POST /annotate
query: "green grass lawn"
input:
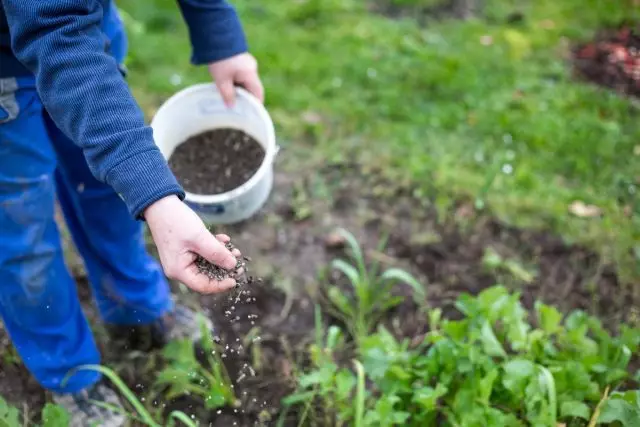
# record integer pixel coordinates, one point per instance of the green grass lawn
(480, 110)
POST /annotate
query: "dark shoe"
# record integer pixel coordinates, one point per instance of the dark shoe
(181, 323)
(84, 411)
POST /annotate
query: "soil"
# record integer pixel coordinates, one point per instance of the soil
(216, 161)
(265, 327)
(612, 60)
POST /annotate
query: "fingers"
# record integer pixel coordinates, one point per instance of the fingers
(226, 239)
(223, 238)
(202, 283)
(253, 84)
(214, 251)
(227, 91)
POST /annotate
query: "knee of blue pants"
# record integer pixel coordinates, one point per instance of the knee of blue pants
(31, 291)
(38, 300)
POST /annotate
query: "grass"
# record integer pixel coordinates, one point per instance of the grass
(480, 110)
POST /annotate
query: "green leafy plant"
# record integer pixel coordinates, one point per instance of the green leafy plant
(494, 367)
(507, 268)
(370, 288)
(9, 416)
(329, 383)
(52, 415)
(186, 375)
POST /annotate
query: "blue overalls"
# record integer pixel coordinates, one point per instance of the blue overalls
(38, 298)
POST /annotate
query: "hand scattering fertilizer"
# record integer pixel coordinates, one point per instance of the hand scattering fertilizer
(223, 157)
(214, 272)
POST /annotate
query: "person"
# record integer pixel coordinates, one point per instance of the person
(71, 131)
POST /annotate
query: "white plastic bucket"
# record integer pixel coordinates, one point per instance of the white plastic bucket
(200, 108)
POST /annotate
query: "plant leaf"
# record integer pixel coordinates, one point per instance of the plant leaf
(517, 374)
(619, 410)
(490, 342)
(124, 390)
(575, 409)
(182, 417)
(548, 317)
(54, 416)
(9, 416)
(354, 246)
(348, 270)
(396, 274)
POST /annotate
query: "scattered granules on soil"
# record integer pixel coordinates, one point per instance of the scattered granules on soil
(214, 272)
(216, 161)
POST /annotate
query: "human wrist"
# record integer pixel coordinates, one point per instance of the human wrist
(161, 205)
(143, 179)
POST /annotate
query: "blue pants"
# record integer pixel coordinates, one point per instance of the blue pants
(38, 299)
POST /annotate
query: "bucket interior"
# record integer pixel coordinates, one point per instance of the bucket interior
(201, 110)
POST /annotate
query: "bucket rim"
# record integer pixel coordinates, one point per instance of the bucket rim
(271, 148)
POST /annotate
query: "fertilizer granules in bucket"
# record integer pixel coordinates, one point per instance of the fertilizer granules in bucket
(216, 161)
(213, 272)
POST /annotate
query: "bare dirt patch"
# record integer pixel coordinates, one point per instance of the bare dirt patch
(612, 60)
(265, 327)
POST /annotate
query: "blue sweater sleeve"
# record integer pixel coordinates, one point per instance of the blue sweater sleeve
(214, 29)
(80, 85)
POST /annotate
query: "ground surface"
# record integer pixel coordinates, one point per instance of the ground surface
(495, 161)
(292, 241)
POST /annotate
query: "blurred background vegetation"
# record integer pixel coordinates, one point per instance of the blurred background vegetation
(484, 108)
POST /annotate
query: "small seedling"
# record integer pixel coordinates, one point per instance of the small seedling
(371, 290)
(186, 375)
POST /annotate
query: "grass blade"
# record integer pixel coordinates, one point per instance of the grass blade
(360, 395)
(356, 251)
(118, 410)
(182, 417)
(142, 412)
(348, 270)
(419, 291)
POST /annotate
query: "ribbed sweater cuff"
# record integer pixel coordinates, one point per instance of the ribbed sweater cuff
(142, 180)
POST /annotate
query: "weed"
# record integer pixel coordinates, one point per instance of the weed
(371, 289)
(329, 383)
(506, 268)
(52, 416)
(186, 375)
(9, 416)
(491, 368)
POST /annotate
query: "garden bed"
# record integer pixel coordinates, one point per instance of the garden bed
(612, 60)
(266, 330)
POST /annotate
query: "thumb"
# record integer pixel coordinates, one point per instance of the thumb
(227, 91)
(214, 251)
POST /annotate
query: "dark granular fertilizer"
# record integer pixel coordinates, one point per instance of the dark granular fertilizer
(239, 273)
(216, 161)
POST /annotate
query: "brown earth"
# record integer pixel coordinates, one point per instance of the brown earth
(612, 59)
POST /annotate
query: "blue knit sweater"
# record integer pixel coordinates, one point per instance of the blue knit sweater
(63, 44)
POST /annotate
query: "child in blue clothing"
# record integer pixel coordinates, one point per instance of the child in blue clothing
(69, 127)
